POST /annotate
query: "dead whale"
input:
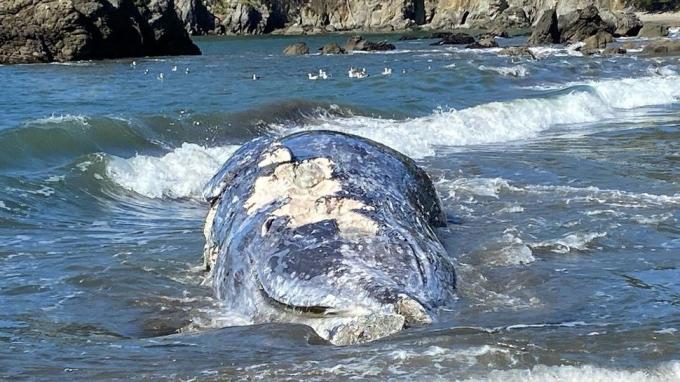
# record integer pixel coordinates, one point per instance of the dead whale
(329, 230)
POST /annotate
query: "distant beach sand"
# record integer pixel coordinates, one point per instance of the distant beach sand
(667, 18)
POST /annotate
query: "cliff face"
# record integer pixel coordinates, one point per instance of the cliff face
(66, 30)
(298, 16)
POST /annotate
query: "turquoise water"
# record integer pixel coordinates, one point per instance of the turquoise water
(560, 177)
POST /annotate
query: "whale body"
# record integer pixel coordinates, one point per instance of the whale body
(329, 230)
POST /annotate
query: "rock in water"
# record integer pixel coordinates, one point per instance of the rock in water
(546, 30)
(581, 24)
(329, 230)
(653, 30)
(358, 43)
(453, 39)
(598, 41)
(484, 42)
(297, 49)
(663, 48)
(332, 48)
(517, 51)
(67, 30)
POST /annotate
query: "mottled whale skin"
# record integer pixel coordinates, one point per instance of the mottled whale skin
(329, 230)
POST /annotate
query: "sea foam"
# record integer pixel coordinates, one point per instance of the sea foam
(498, 122)
(181, 173)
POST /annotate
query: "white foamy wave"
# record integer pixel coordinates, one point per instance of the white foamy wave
(665, 372)
(572, 242)
(512, 71)
(54, 119)
(494, 187)
(507, 121)
(181, 173)
(666, 70)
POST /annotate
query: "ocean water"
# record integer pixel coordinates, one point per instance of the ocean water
(560, 178)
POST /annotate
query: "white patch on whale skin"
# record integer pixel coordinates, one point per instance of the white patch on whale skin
(276, 156)
(210, 250)
(309, 189)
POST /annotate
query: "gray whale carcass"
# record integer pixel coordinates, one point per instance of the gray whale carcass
(329, 230)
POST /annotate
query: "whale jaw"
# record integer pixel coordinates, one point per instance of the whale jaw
(350, 329)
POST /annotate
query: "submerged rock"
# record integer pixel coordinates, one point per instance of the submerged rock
(453, 39)
(484, 43)
(55, 30)
(546, 30)
(297, 49)
(613, 51)
(662, 48)
(517, 51)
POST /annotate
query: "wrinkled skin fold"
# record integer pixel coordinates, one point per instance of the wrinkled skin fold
(328, 230)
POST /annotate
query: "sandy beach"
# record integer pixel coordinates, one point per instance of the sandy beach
(666, 18)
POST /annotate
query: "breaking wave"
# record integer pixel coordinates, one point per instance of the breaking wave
(498, 122)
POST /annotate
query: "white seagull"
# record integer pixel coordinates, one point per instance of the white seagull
(387, 71)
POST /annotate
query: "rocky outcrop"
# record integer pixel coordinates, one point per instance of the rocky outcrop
(581, 24)
(653, 31)
(358, 43)
(546, 30)
(598, 41)
(195, 16)
(297, 49)
(484, 42)
(332, 48)
(317, 16)
(663, 48)
(67, 30)
(626, 24)
(453, 39)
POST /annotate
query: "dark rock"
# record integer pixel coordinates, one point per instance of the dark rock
(588, 52)
(453, 39)
(332, 48)
(196, 18)
(613, 51)
(513, 17)
(581, 24)
(627, 24)
(629, 45)
(358, 43)
(546, 30)
(653, 30)
(663, 48)
(484, 43)
(408, 37)
(598, 41)
(297, 49)
(517, 51)
(498, 31)
(54, 30)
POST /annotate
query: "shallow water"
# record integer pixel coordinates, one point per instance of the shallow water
(560, 177)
